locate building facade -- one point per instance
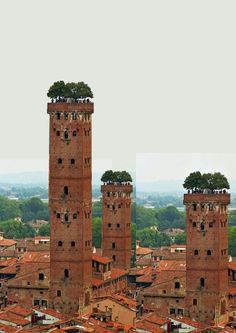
(116, 225)
(70, 204)
(207, 256)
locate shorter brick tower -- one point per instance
(116, 227)
(207, 256)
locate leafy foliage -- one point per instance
(34, 209)
(44, 230)
(97, 232)
(152, 238)
(111, 177)
(9, 209)
(59, 91)
(180, 239)
(207, 181)
(16, 229)
(232, 241)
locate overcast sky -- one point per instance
(155, 167)
(162, 72)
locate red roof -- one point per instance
(143, 251)
(51, 312)
(13, 318)
(39, 257)
(8, 329)
(188, 321)
(7, 242)
(154, 318)
(8, 262)
(232, 291)
(232, 265)
(172, 265)
(101, 259)
(19, 310)
(8, 270)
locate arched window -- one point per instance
(202, 282)
(209, 252)
(72, 244)
(60, 243)
(58, 215)
(195, 252)
(58, 133)
(194, 206)
(59, 161)
(72, 161)
(58, 116)
(66, 273)
(66, 217)
(75, 216)
(66, 134)
(66, 190)
(202, 226)
(74, 133)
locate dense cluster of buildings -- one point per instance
(63, 284)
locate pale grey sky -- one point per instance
(162, 72)
(155, 167)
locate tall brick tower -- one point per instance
(70, 205)
(207, 256)
(116, 225)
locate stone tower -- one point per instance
(207, 256)
(116, 225)
(70, 204)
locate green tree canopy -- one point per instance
(193, 181)
(9, 209)
(16, 229)
(207, 181)
(34, 209)
(60, 91)
(111, 177)
(44, 230)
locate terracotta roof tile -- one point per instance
(7, 242)
(51, 312)
(19, 310)
(143, 251)
(39, 257)
(13, 318)
(155, 319)
(101, 259)
(232, 265)
(8, 329)
(172, 265)
(188, 321)
(8, 262)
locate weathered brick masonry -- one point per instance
(207, 256)
(70, 205)
(116, 227)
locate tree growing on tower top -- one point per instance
(74, 92)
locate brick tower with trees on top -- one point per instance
(207, 247)
(70, 200)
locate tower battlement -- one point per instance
(87, 107)
(223, 198)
